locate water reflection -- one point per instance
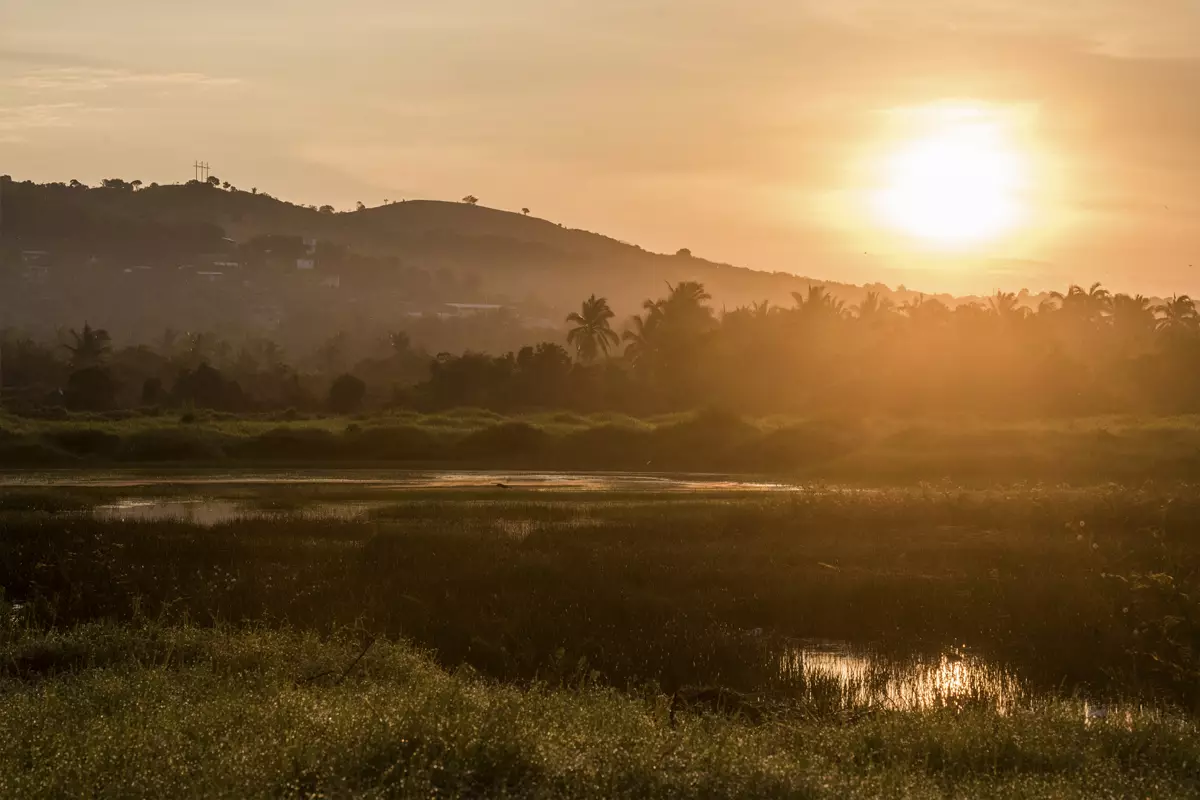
(411, 480)
(211, 511)
(853, 678)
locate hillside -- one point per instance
(69, 249)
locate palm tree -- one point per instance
(873, 307)
(592, 333)
(1132, 317)
(1089, 306)
(640, 334)
(1003, 305)
(691, 294)
(91, 346)
(818, 302)
(1178, 315)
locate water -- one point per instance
(406, 480)
(212, 511)
(854, 677)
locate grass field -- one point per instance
(530, 643)
(186, 712)
(871, 451)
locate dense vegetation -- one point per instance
(593, 610)
(1083, 352)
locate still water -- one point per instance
(857, 677)
(399, 480)
(212, 511)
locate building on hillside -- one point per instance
(471, 309)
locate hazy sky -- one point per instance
(743, 129)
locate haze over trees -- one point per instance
(1084, 351)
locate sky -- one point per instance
(750, 131)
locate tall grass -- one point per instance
(176, 711)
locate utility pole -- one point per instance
(202, 171)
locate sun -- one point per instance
(956, 181)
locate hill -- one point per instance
(198, 255)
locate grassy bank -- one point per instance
(889, 450)
(183, 712)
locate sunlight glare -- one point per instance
(957, 181)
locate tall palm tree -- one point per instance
(687, 294)
(592, 334)
(874, 307)
(639, 336)
(1089, 305)
(1132, 317)
(91, 346)
(1003, 305)
(1178, 315)
(818, 302)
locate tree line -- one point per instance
(1082, 351)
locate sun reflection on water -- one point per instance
(951, 679)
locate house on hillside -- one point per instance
(470, 309)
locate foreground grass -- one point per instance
(109, 711)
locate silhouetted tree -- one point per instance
(346, 395)
(471, 200)
(91, 346)
(592, 334)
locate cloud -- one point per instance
(89, 79)
(17, 123)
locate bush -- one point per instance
(507, 439)
(33, 453)
(613, 446)
(395, 443)
(347, 394)
(171, 444)
(91, 389)
(85, 441)
(291, 444)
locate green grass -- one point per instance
(897, 451)
(176, 711)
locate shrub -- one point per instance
(291, 444)
(85, 441)
(171, 444)
(347, 394)
(395, 443)
(31, 452)
(611, 446)
(507, 439)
